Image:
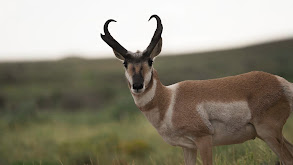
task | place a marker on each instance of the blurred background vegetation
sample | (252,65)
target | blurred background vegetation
(77,111)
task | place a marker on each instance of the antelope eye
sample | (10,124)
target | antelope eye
(125,64)
(150,62)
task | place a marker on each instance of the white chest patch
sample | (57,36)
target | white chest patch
(153,115)
(233,115)
(166,130)
(146,97)
(168,116)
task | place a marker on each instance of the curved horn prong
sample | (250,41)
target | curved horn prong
(111,41)
(106,31)
(157,36)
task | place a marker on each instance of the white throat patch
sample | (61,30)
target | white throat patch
(146,97)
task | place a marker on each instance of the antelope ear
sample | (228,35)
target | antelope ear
(157,50)
(119,56)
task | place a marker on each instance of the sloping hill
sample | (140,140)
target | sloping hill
(75,84)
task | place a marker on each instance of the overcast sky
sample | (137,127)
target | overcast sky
(53,29)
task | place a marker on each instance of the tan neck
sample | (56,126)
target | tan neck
(156,97)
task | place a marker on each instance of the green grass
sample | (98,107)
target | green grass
(78,138)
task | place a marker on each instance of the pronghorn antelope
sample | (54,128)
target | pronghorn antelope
(197,115)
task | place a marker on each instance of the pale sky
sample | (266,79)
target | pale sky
(54,29)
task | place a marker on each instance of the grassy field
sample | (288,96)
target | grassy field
(80,138)
(76,111)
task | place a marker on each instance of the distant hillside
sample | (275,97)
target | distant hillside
(79,84)
(274,57)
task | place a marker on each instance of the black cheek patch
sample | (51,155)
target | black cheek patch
(150,62)
(125,64)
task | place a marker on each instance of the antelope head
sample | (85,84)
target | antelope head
(138,66)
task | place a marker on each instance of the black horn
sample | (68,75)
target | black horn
(157,36)
(111,41)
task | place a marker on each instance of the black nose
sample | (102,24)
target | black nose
(137,86)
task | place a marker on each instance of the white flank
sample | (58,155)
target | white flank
(234,114)
(146,97)
(288,89)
